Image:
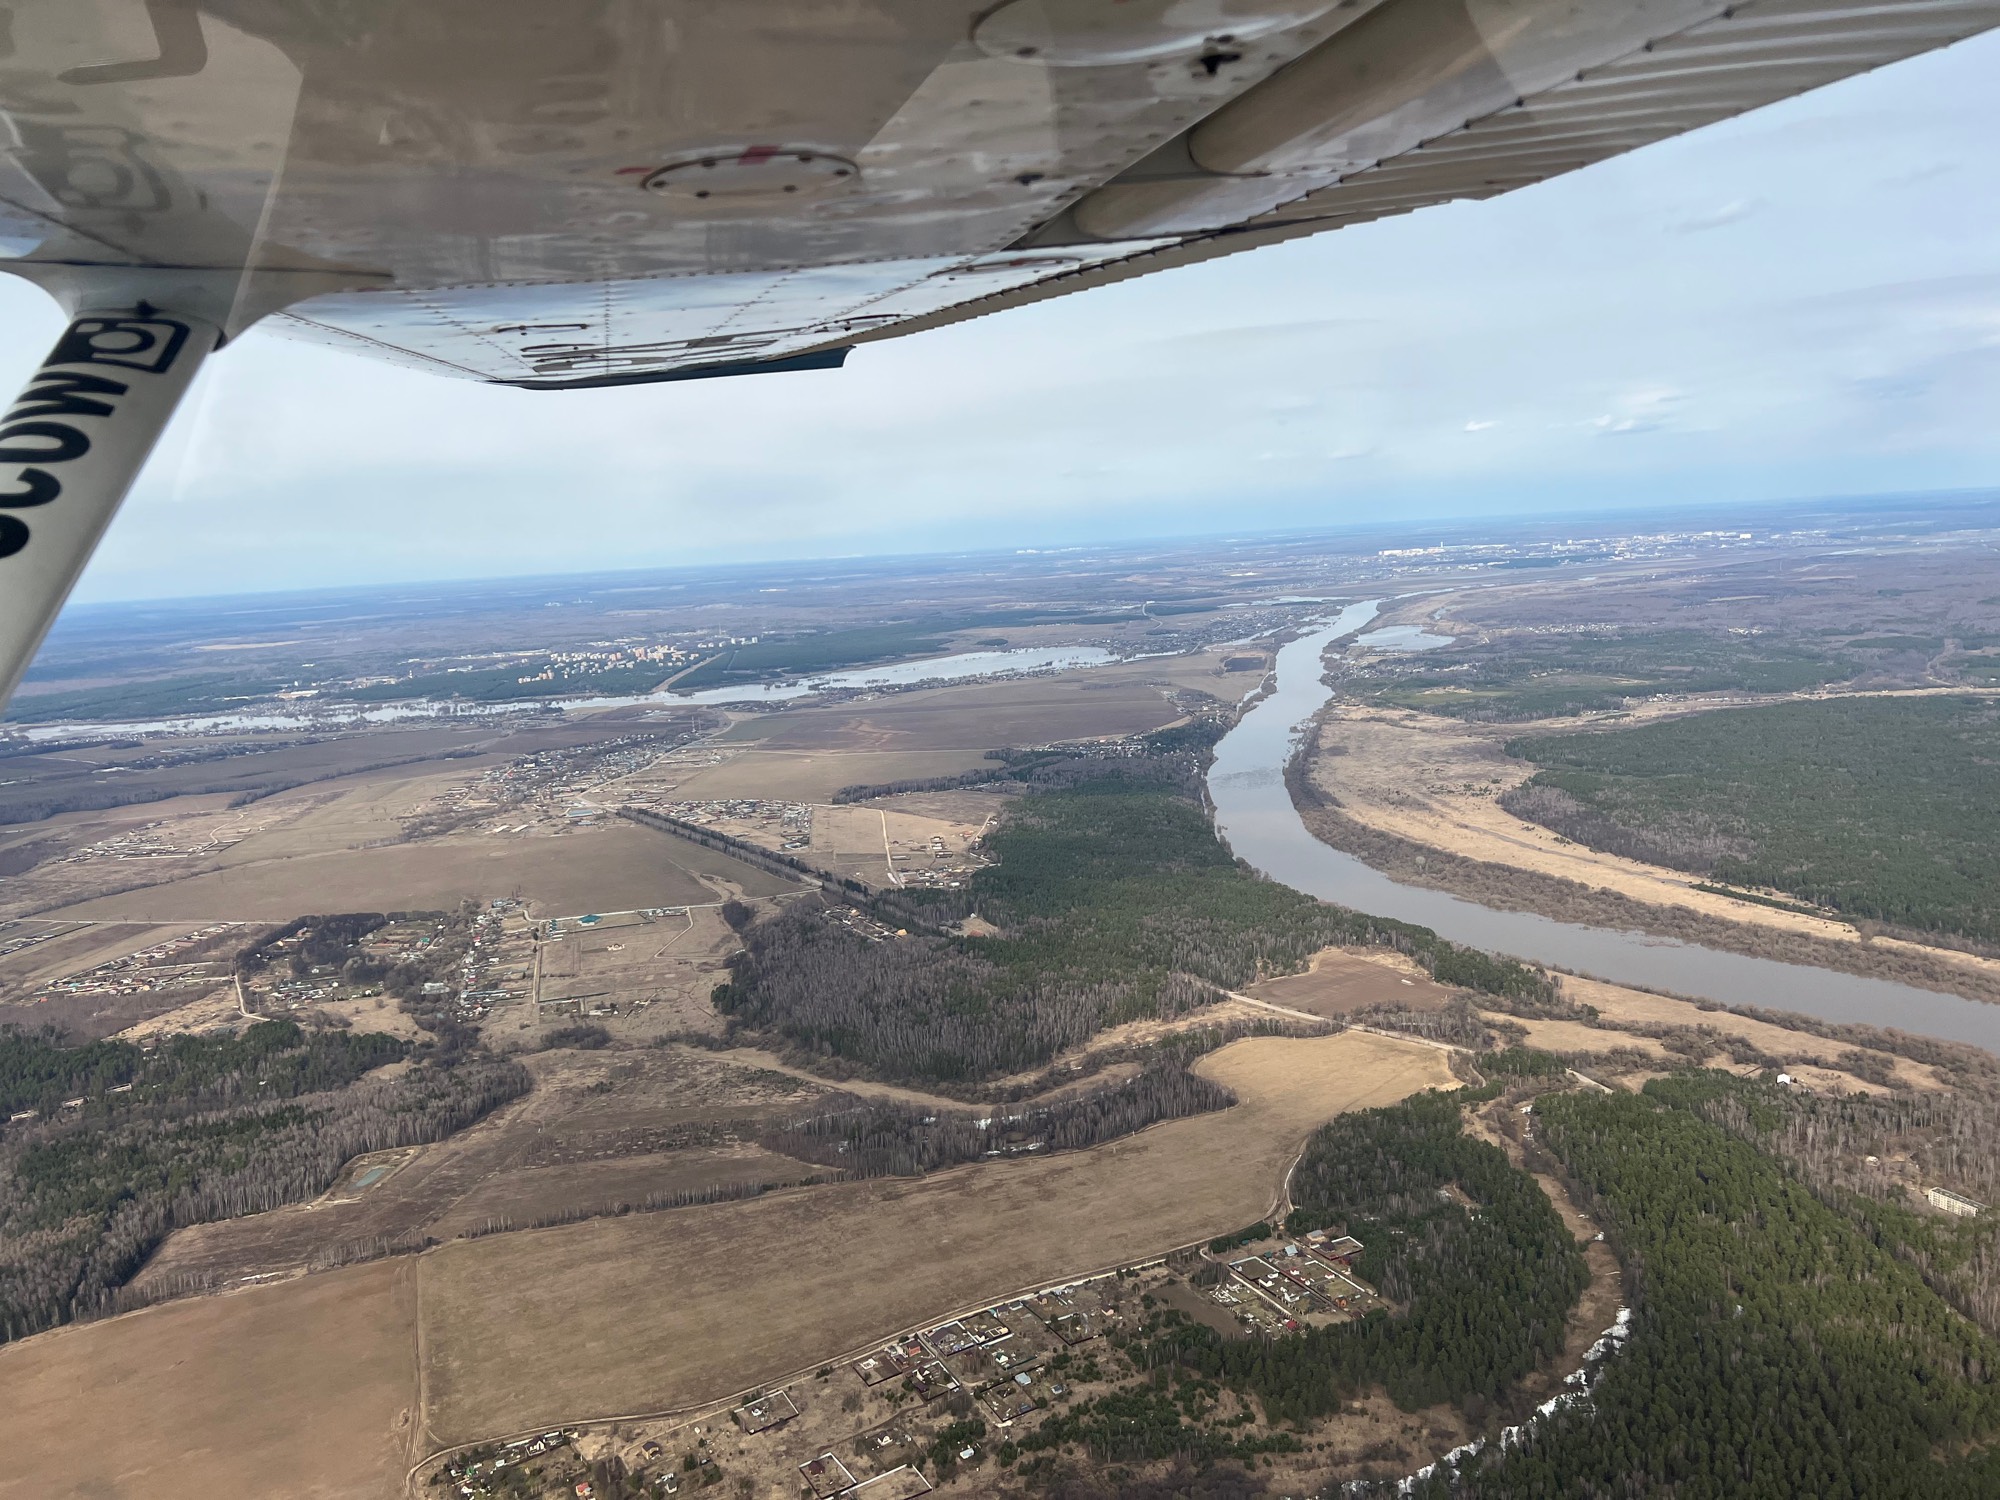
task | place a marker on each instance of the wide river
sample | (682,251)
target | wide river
(1254,812)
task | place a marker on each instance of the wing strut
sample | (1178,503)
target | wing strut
(70,447)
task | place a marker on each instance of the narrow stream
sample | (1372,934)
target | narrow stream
(1254,813)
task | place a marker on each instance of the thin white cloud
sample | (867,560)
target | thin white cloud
(1734,211)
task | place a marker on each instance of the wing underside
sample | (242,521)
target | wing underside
(602,192)
(617,191)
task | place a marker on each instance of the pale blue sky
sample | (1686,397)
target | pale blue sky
(1805,301)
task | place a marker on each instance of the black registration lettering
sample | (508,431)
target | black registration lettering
(54,394)
(150,345)
(58,443)
(38,487)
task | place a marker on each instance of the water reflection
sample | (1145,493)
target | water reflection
(1403,638)
(1254,812)
(959,668)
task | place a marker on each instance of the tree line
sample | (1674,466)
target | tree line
(1173,760)
(1690,841)
(1115,901)
(1846,1147)
(211,1128)
(1882,808)
(875,1139)
(273,1059)
(1776,1349)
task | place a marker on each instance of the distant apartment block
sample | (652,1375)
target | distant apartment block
(1952,1203)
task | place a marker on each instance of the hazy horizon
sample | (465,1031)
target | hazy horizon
(1767,515)
(1798,302)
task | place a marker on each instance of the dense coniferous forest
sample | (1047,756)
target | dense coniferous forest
(1485,1289)
(1883,808)
(1115,901)
(1525,676)
(1782,1343)
(200,1128)
(1867,1157)
(871,1139)
(1154,1421)
(1775,1351)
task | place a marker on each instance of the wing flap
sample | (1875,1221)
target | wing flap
(569,333)
(1755,55)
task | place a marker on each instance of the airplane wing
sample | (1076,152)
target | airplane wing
(569,194)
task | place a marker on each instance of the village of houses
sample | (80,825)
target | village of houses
(932,1408)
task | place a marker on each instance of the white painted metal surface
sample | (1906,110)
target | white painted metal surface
(1099,33)
(554,331)
(70,447)
(442,170)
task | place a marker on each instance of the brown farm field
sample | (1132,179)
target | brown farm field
(309,1377)
(355,813)
(307,1391)
(662,1310)
(520,1197)
(613,868)
(808,754)
(976,716)
(815,775)
(1338,983)
(192,835)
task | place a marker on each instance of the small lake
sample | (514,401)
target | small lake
(1254,813)
(1403,638)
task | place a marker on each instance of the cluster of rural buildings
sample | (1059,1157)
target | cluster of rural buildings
(1001,1356)
(609,656)
(474,1474)
(182,838)
(942,871)
(548,785)
(1281,1289)
(594,659)
(935,1396)
(161,966)
(477,985)
(790,822)
(860,923)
